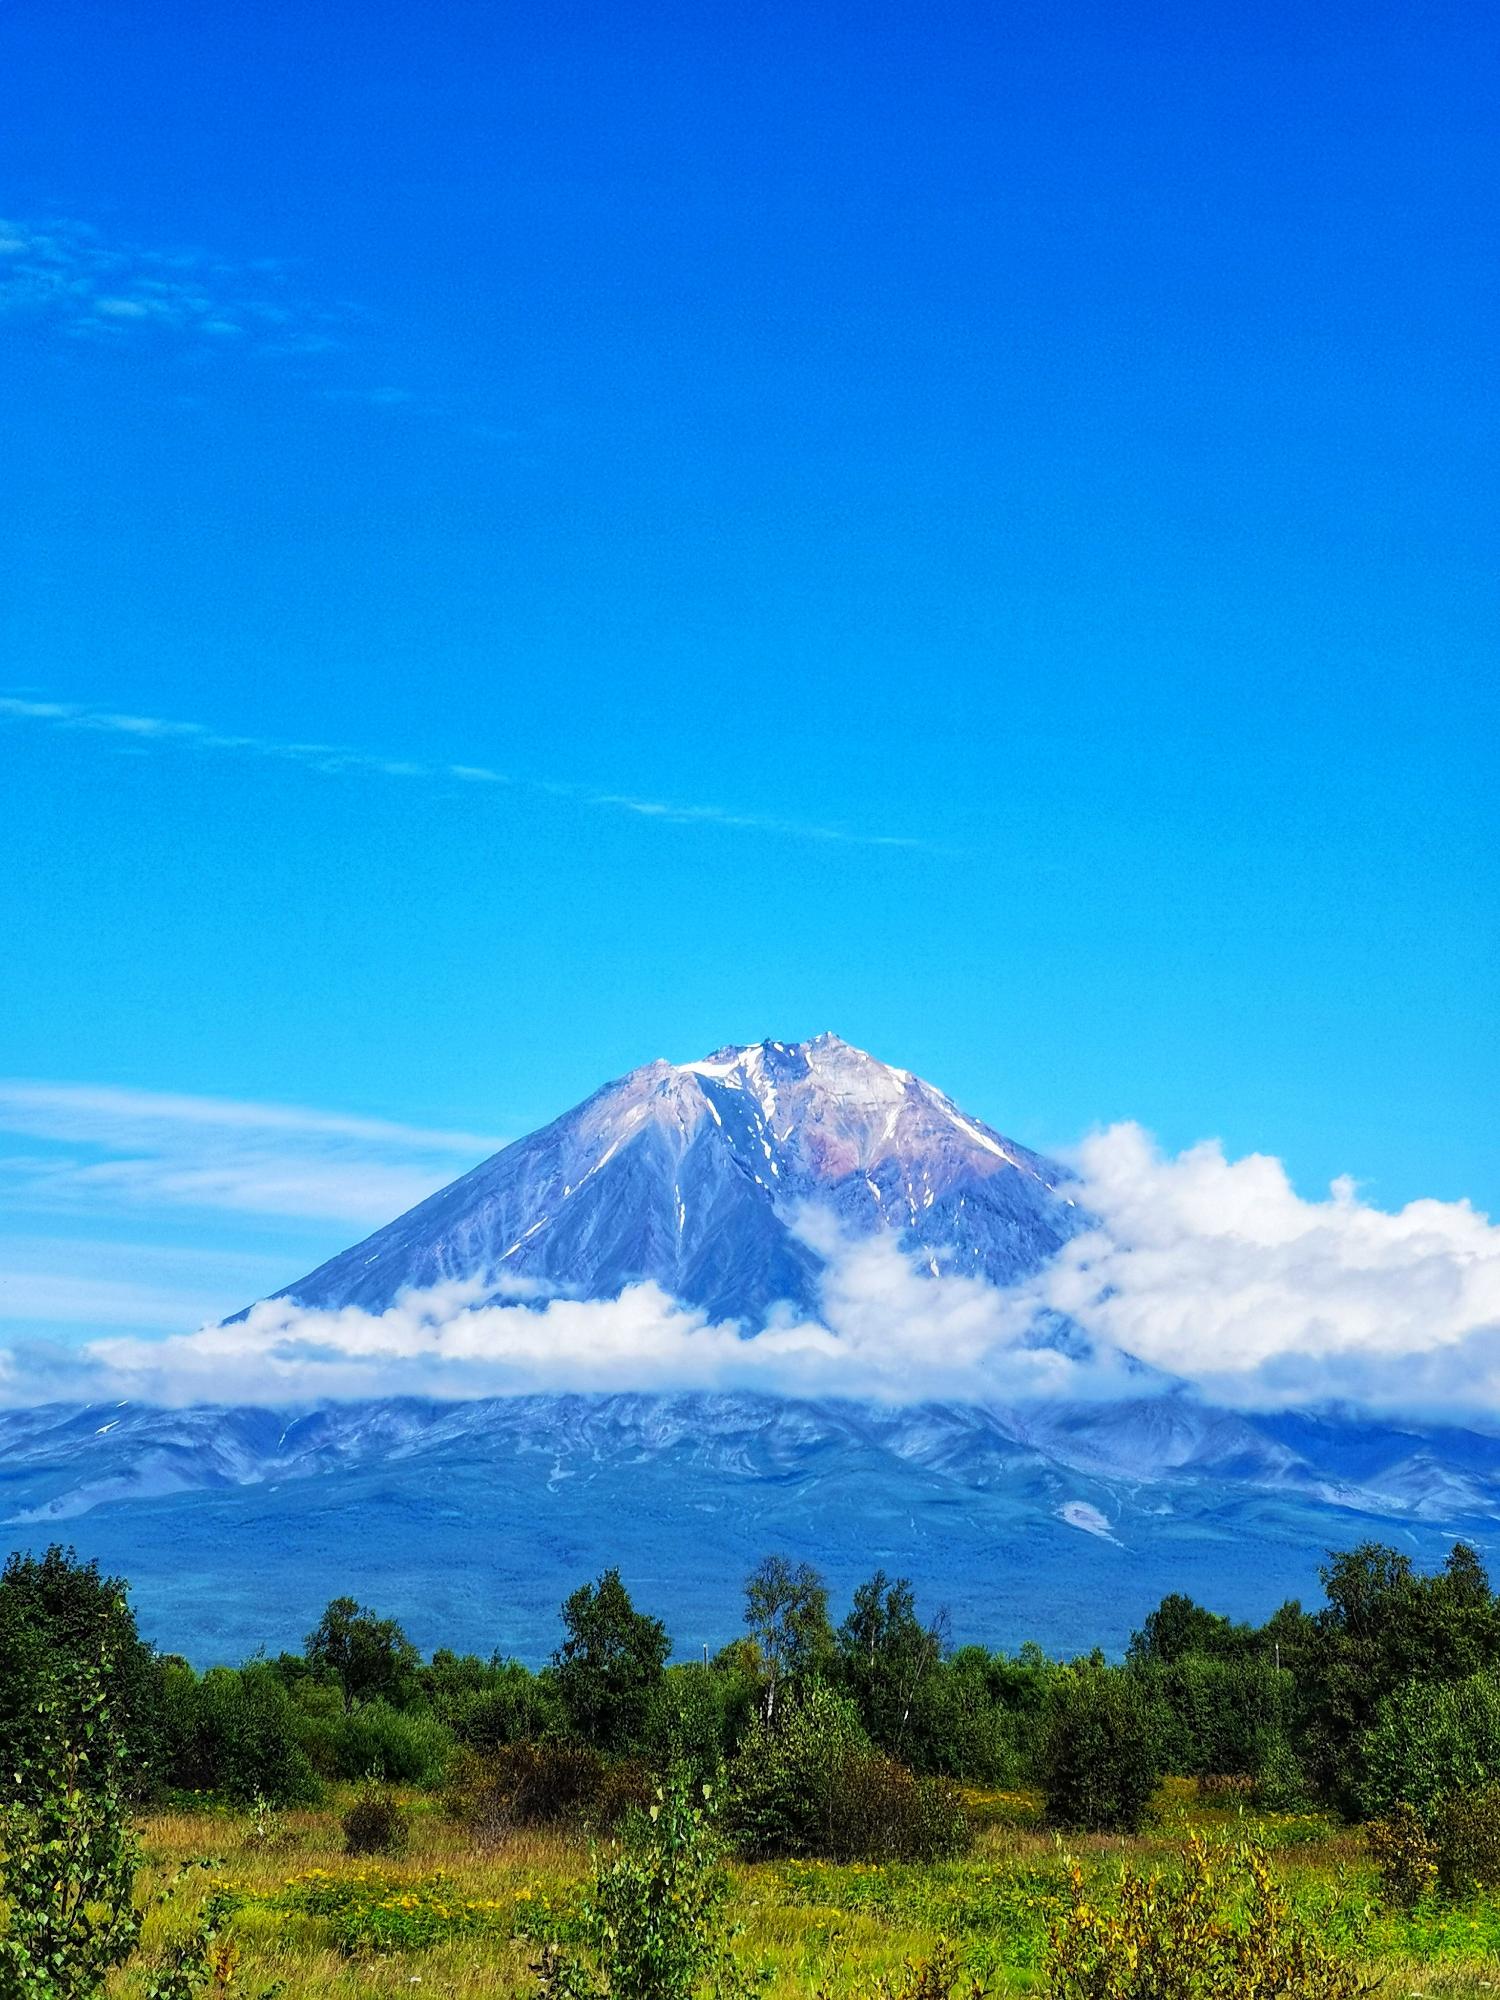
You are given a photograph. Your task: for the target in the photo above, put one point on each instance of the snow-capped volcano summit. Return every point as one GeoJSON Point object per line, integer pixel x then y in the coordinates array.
{"type": "Point", "coordinates": [699, 1175]}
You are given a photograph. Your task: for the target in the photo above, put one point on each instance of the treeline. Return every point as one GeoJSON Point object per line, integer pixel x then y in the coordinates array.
{"type": "Point", "coordinates": [837, 1736]}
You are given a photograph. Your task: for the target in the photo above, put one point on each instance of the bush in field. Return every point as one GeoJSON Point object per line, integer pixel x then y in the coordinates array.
{"type": "Point", "coordinates": [1466, 1833]}
{"type": "Point", "coordinates": [937, 1977]}
{"type": "Point", "coordinates": [489, 1702]}
{"type": "Point", "coordinates": [1405, 1856]}
{"type": "Point", "coordinates": [652, 1925]}
{"type": "Point", "coordinates": [1099, 1761]}
{"type": "Point", "coordinates": [697, 1715]}
{"type": "Point", "coordinates": [881, 1811]}
{"type": "Point", "coordinates": [1384, 1626]}
{"type": "Point", "coordinates": [808, 1782]}
{"type": "Point", "coordinates": [1454, 1846]}
{"type": "Point", "coordinates": [375, 1824]}
{"type": "Point", "coordinates": [1430, 1739]}
{"type": "Point", "coordinates": [965, 1722]}
{"type": "Point", "coordinates": [68, 1872]}
{"type": "Point", "coordinates": [783, 1782]}
{"type": "Point", "coordinates": [400, 1746]}
{"type": "Point", "coordinates": [1219, 1714]}
{"type": "Point", "coordinates": [234, 1732]}
{"type": "Point", "coordinates": [1280, 1784]}
{"type": "Point", "coordinates": [1225, 1788]}
{"type": "Point", "coordinates": [1220, 1929]}
{"type": "Point", "coordinates": [59, 1616]}
{"type": "Point", "coordinates": [544, 1784]}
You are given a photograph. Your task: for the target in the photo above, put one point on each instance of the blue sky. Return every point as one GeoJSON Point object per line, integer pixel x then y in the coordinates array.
{"type": "Point", "coordinates": [538, 541]}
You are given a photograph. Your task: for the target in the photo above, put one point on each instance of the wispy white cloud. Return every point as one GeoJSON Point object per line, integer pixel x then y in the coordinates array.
{"type": "Point", "coordinates": [336, 760]}
{"type": "Point", "coordinates": [133, 1151]}
{"type": "Point", "coordinates": [68, 274]}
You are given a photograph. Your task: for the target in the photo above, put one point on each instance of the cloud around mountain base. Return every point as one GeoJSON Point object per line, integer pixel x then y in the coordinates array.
{"type": "Point", "coordinates": [1214, 1272]}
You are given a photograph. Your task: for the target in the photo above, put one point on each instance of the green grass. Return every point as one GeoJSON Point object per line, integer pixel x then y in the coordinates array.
{"type": "Point", "coordinates": [452, 1918]}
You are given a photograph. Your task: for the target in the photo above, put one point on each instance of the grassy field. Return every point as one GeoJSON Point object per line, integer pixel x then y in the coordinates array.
{"type": "Point", "coordinates": [451, 1917]}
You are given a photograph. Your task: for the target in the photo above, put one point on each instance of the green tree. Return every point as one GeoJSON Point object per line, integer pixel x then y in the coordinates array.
{"type": "Point", "coordinates": [58, 1614]}
{"type": "Point", "coordinates": [365, 1654]}
{"type": "Point", "coordinates": [234, 1732]}
{"type": "Point", "coordinates": [1179, 1627]}
{"type": "Point", "coordinates": [885, 1654]}
{"type": "Point", "coordinates": [963, 1725]}
{"type": "Point", "coordinates": [1429, 1739]}
{"type": "Point", "coordinates": [68, 1872]}
{"type": "Point", "coordinates": [1385, 1624]}
{"type": "Point", "coordinates": [1101, 1759]}
{"type": "Point", "coordinates": [610, 1664]}
{"type": "Point", "coordinates": [697, 1716]}
{"type": "Point", "coordinates": [1221, 1714]}
{"type": "Point", "coordinates": [810, 1782]}
{"type": "Point", "coordinates": [652, 1925]}
{"type": "Point", "coordinates": [487, 1703]}
{"type": "Point", "coordinates": [786, 1608]}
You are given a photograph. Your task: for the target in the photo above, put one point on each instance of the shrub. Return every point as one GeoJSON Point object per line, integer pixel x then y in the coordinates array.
{"type": "Point", "coordinates": [68, 1873]}
{"type": "Point", "coordinates": [1466, 1834]}
{"type": "Point", "coordinates": [809, 1783]}
{"type": "Point", "coordinates": [1405, 1855]}
{"type": "Point", "coordinates": [1454, 1846]}
{"type": "Point", "coordinates": [375, 1824]}
{"type": "Point", "coordinates": [59, 1615]}
{"type": "Point", "coordinates": [544, 1784]}
{"type": "Point", "coordinates": [1430, 1739]}
{"type": "Point", "coordinates": [487, 1703]}
{"type": "Point", "coordinates": [782, 1782]}
{"type": "Point", "coordinates": [961, 1724]}
{"type": "Point", "coordinates": [1100, 1762]}
{"type": "Point", "coordinates": [652, 1924]}
{"type": "Point", "coordinates": [1225, 1788]}
{"type": "Point", "coordinates": [234, 1733]}
{"type": "Point", "coordinates": [1217, 1714]}
{"type": "Point", "coordinates": [398, 1746]}
{"type": "Point", "coordinates": [697, 1715]}
{"type": "Point", "coordinates": [1214, 1931]}
{"type": "Point", "coordinates": [1279, 1784]}
{"type": "Point", "coordinates": [933, 1978]}
{"type": "Point", "coordinates": [880, 1811]}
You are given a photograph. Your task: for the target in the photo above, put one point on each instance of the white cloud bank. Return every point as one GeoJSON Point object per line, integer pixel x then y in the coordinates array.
{"type": "Point", "coordinates": [1219, 1271]}
{"type": "Point", "coordinates": [889, 1332]}
{"type": "Point", "coordinates": [1213, 1271]}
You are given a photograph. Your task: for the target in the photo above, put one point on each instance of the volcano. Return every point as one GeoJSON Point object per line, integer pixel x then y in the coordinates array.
{"type": "Point", "coordinates": [698, 1176]}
